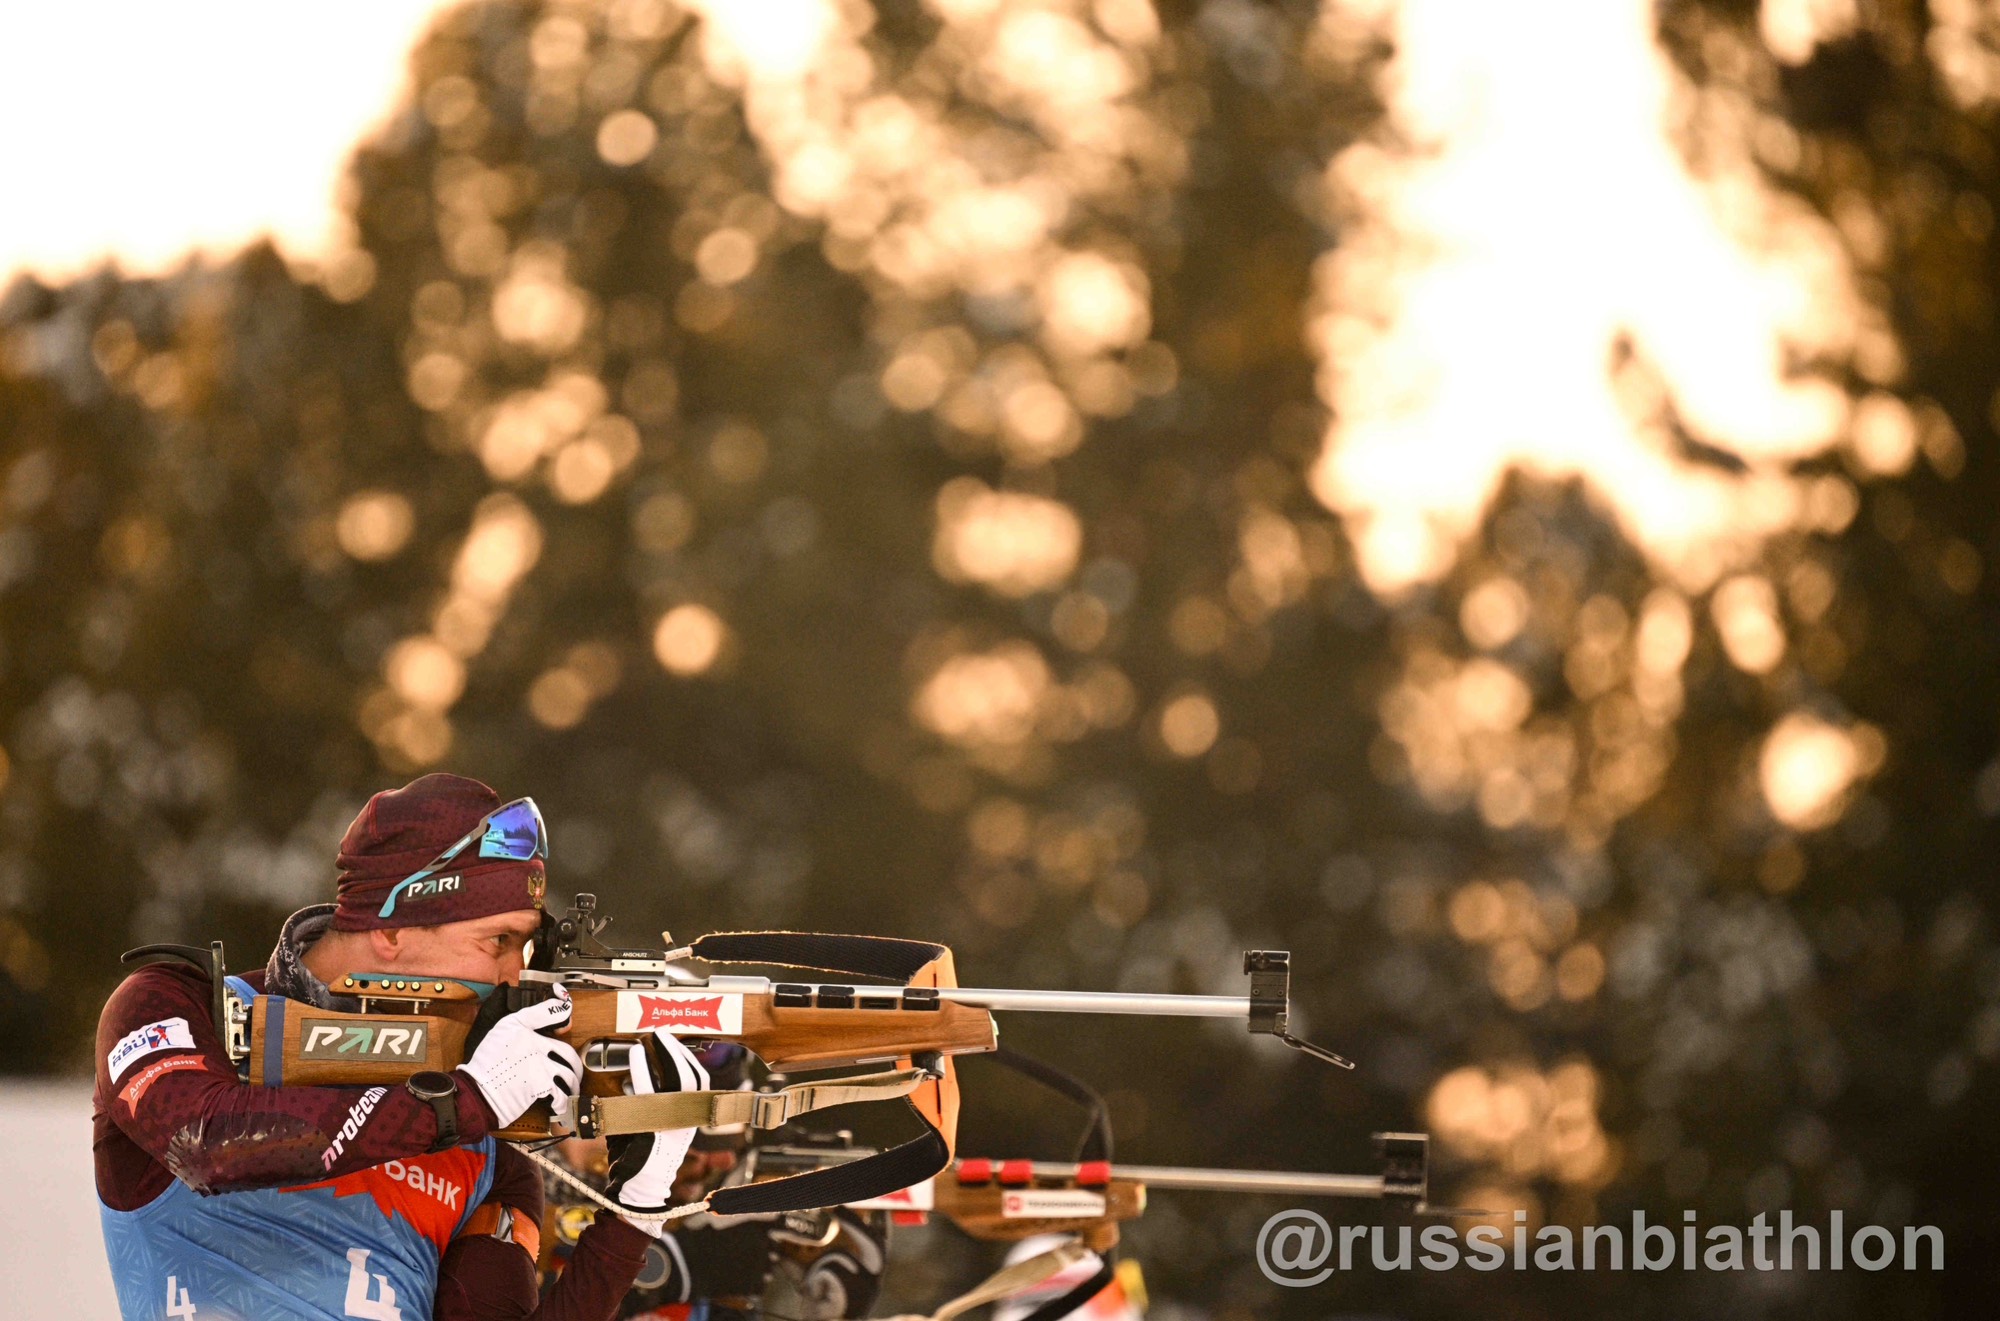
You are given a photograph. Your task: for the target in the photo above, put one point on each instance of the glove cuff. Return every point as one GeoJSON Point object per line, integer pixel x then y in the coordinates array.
{"type": "Point", "coordinates": [650, 1228]}
{"type": "Point", "coordinates": [475, 1114]}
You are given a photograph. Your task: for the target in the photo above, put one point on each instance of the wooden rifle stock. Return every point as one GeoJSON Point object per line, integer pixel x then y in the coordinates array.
{"type": "Point", "coordinates": [410, 1025]}
{"type": "Point", "coordinates": [1086, 1207]}
{"type": "Point", "coordinates": [999, 1201]}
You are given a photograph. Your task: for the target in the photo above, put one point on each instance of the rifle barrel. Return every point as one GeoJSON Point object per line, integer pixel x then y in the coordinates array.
{"type": "Point", "coordinates": [1102, 1002]}
{"type": "Point", "coordinates": [1236, 1181]}
{"type": "Point", "coordinates": [1287, 1183]}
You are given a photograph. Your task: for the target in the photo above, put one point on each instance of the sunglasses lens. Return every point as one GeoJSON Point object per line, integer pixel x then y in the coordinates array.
{"type": "Point", "coordinates": [516, 832]}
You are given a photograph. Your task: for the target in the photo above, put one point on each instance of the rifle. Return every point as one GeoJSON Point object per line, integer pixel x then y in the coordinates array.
{"type": "Point", "coordinates": [1082, 1203]}
{"type": "Point", "coordinates": [913, 1016]}
{"type": "Point", "coordinates": [1009, 1200]}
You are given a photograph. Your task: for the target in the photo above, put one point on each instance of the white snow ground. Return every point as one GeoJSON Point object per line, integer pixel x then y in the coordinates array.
{"type": "Point", "coordinates": [52, 1264]}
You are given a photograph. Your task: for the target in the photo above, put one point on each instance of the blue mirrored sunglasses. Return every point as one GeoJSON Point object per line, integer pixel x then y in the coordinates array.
{"type": "Point", "coordinates": [512, 830]}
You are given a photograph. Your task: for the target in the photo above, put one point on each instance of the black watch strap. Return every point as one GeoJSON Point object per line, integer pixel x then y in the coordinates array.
{"type": "Point", "coordinates": [440, 1092]}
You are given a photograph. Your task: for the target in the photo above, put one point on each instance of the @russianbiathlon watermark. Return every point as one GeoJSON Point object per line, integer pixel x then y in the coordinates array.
{"type": "Point", "coordinates": [1298, 1249]}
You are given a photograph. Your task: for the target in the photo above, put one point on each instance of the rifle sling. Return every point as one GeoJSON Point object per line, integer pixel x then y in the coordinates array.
{"type": "Point", "coordinates": [863, 956]}
{"type": "Point", "coordinates": [1072, 1302]}
{"type": "Point", "coordinates": [1010, 1280]}
{"type": "Point", "coordinates": [615, 1115]}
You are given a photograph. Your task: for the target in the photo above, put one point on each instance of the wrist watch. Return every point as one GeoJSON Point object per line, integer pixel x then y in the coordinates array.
{"type": "Point", "coordinates": [438, 1091]}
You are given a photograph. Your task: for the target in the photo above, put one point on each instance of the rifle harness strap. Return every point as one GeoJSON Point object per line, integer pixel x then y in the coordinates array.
{"type": "Point", "coordinates": [930, 1092]}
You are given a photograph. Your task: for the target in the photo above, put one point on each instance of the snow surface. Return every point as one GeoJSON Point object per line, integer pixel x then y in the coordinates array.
{"type": "Point", "coordinates": [52, 1255]}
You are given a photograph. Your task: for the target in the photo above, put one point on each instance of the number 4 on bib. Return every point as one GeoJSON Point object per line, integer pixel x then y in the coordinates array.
{"type": "Point", "coordinates": [359, 1304]}
{"type": "Point", "coordinates": [179, 1305]}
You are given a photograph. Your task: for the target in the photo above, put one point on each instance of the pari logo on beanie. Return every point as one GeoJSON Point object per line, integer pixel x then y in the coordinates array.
{"type": "Point", "coordinates": [402, 831]}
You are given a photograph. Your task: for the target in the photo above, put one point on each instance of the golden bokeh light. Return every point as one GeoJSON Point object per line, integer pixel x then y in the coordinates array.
{"type": "Point", "coordinates": [1080, 621]}
{"type": "Point", "coordinates": [1000, 828]}
{"type": "Point", "coordinates": [1038, 423]}
{"type": "Point", "coordinates": [565, 419]}
{"type": "Point", "coordinates": [688, 639]}
{"type": "Point", "coordinates": [1793, 29]}
{"type": "Point", "coordinates": [1198, 626]}
{"type": "Point", "coordinates": [1807, 767]}
{"type": "Point", "coordinates": [536, 306]}
{"type": "Point", "coordinates": [1189, 724]}
{"type": "Point", "coordinates": [1961, 45]}
{"type": "Point", "coordinates": [1746, 616]}
{"type": "Point", "coordinates": [920, 199]}
{"type": "Point", "coordinates": [1014, 543]}
{"type": "Point", "coordinates": [627, 137]}
{"type": "Point", "coordinates": [1494, 613]}
{"type": "Point", "coordinates": [913, 382]}
{"type": "Point", "coordinates": [1883, 438]}
{"type": "Point", "coordinates": [581, 471]}
{"type": "Point", "coordinates": [1580, 972]}
{"type": "Point", "coordinates": [425, 675]}
{"type": "Point", "coordinates": [663, 523]}
{"type": "Point", "coordinates": [1526, 1122]}
{"type": "Point", "coordinates": [738, 453]}
{"type": "Point", "coordinates": [772, 41]}
{"type": "Point", "coordinates": [1091, 304]}
{"type": "Point", "coordinates": [559, 698]}
{"type": "Point", "coordinates": [979, 699]}
{"type": "Point", "coordinates": [424, 672]}
{"type": "Point", "coordinates": [374, 525]}
{"type": "Point", "coordinates": [435, 380]}
{"type": "Point", "coordinates": [562, 695]}
{"type": "Point", "coordinates": [1527, 935]}
{"type": "Point", "coordinates": [726, 256]}
{"type": "Point", "coordinates": [505, 542]}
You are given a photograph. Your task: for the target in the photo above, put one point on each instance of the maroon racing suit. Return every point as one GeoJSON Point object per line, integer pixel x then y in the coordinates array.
{"type": "Point", "coordinates": [176, 1109]}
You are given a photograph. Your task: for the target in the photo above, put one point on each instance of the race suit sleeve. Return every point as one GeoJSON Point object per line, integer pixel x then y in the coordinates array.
{"type": "Point", "coordinates": [166, 1083]}
{"type": "Point", "coordinates": [484, 1278]}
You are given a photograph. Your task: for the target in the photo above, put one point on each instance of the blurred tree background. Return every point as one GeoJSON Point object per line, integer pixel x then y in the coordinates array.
{"type": "Point", "coordinates": [865, 467]}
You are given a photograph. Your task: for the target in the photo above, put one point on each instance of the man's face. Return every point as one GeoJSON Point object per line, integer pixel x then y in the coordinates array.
{"type": "Point", "coordinates": [480, 949]}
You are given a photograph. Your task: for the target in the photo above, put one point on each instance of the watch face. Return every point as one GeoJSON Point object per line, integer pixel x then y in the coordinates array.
{"type": "Point", "coordinates": [430, 1083]}
{"type": "Point", "coordinates": [655, 1270]}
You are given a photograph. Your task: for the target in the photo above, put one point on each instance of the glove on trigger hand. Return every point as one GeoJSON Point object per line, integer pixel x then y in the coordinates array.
{"type": "Point", "coordinates": [516, 1065]}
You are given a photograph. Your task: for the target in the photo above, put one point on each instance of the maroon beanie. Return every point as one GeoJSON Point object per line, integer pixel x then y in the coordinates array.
{"type": "Point", "coordinates": [400, 832]}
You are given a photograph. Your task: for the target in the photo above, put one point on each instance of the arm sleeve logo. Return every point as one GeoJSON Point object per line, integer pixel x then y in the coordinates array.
{"type": "Point", "coordinates": [142, 1081]}
{"type": "Point", "coordinates": [167, 1034]}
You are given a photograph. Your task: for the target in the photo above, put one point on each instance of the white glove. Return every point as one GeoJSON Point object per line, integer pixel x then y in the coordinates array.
{"type": "Point", "coordinates": [643, 1165]}
{"type": "Point", "coordinates": [516, 1066]}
